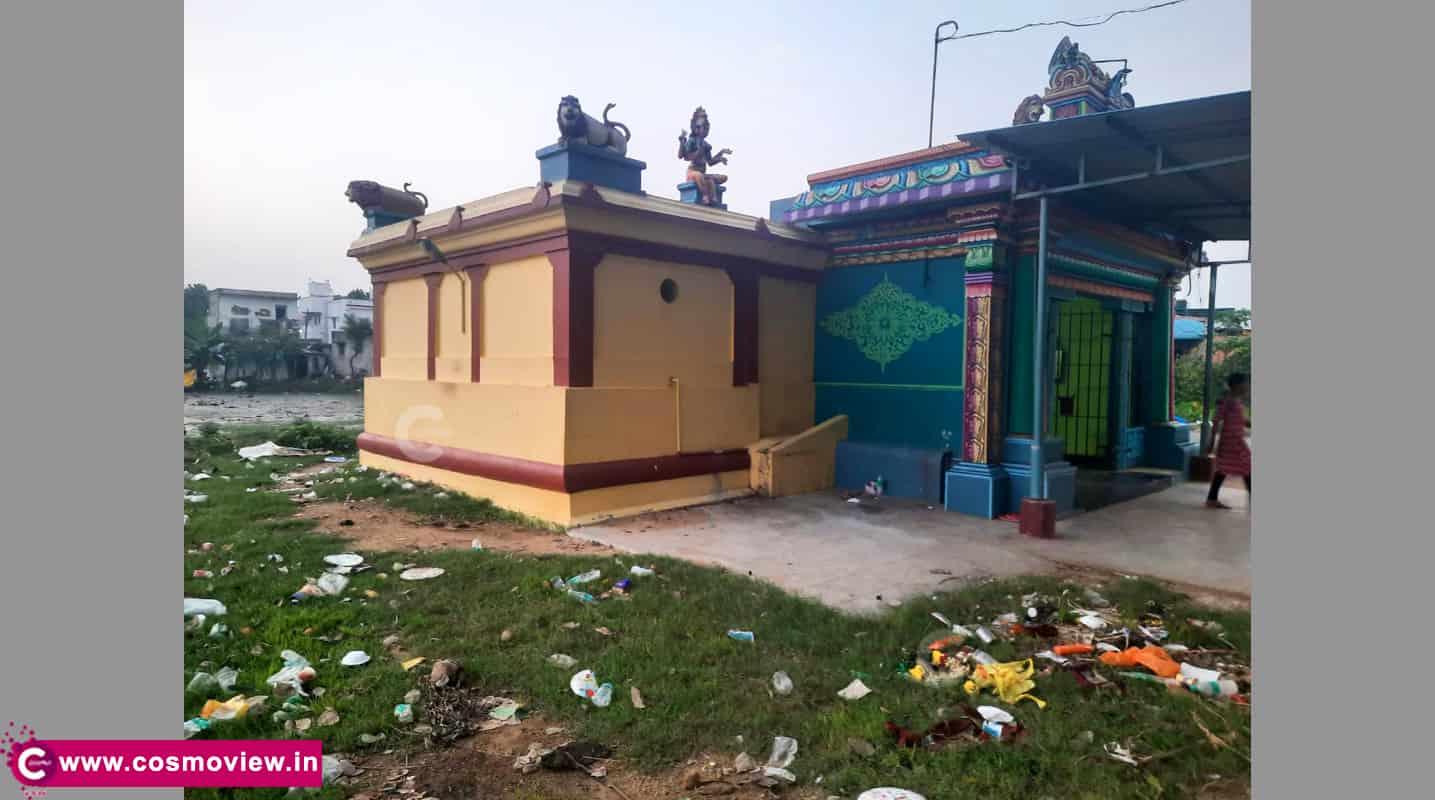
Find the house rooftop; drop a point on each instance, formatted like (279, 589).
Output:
(258, 293)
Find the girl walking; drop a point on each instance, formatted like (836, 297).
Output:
(1233, 455)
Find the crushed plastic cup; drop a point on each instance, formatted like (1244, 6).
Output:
(404, 713)
(994, 714)
(355, 658)
(741, 636)
(562, 660)
(782, 683)
(784, 751)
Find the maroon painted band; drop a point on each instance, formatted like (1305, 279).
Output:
(569, 478)
(475, 318)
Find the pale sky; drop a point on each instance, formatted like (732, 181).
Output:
(286, 102)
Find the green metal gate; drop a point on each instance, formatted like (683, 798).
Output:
(1082, 411)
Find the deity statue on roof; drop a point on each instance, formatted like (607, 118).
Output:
(696, 150)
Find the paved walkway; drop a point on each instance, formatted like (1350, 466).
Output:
(850, 558)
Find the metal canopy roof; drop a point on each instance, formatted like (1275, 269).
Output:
(1182, 166)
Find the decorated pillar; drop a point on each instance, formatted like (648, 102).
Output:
(977, 484)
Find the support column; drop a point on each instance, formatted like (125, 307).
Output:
(1125, 458)
(475, 317)
(1038, 512)
(1206, 385)
(978, 484)
(573, 269)
(434, 280)
(378, 348)
(744, 327)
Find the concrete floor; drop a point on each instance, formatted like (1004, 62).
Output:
(850, 558)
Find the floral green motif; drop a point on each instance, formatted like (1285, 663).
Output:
(887, 321)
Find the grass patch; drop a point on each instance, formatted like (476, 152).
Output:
(702, 689)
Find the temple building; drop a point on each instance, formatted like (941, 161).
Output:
(581, 349)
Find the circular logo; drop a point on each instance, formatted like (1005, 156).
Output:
(34, 764)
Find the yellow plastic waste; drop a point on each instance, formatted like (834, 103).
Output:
(233, 708)
(1010, 681)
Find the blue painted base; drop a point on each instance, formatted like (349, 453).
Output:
(1059, 476)
(1172, 445)
(378, 219)
(595, 165)
(977, 489)
(909, 472)
(688, 193)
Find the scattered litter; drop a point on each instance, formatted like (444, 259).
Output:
(784, 750)
(391, 641)
(412, 696)
(371, 738)
(1205, 625)
(476, 545)
(994, 714)
(1151, 657)
(444, 672)
(637, 697)
(194, 727)
(889, 793)
(413, 662)
(200, 477)
(219, 631)
(780, 773)
(856, 690)
(744, 763)
(1198, 674)
(782, 683)
(195, 498)
(201, 573)
(1010, 681)
(236, 707)
(336, 768)
(741, 636)
(355, 658)
(226, 678)
(563, 661)
(641, 572)
(202, 683)
(329, 718)
(586, 577)
(985, 635)
(1072, 649)
(344, 560)
(291, 679)
(271, 450)
(407, 486)
(585, 684)
(404, 713)
(335, 459)
(332, 584)
(421, 573)
(1092, 621)
(1123, 754)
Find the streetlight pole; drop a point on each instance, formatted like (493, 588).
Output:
(937, 39)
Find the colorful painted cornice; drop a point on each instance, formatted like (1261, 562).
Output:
(946, 177)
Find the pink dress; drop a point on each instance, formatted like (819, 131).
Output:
(1233, 456)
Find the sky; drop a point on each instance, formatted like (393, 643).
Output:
(285, 102)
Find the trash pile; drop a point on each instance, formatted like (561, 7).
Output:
(1065, 636)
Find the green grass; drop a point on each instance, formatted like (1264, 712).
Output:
(702, 688)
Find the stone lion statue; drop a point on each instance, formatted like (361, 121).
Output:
(576, 126)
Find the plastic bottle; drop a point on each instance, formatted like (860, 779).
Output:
(981, 657)
(741, 636)
(641, 572)
(582, 597)
(587, 577)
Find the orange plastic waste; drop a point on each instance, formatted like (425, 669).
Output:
(1072, 649)
(1151, 657)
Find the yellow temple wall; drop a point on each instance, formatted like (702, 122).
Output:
(516, 343)
(404, 349)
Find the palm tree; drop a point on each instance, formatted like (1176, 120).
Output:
(357, 332)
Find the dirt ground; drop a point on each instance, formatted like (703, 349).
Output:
(382, 528)
(482, 767)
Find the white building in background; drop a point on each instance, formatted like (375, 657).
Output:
(240, 311)
(321, 316)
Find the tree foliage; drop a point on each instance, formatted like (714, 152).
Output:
(357, 331)
(358, 294)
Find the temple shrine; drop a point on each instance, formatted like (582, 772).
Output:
(973, 323)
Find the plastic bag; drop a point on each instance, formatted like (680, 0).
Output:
(782, 683)
(234, 708)
(784, 751)
(213, 608)
(1151, 657)
(291, 679)
(1011, 681)
(202, 683)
